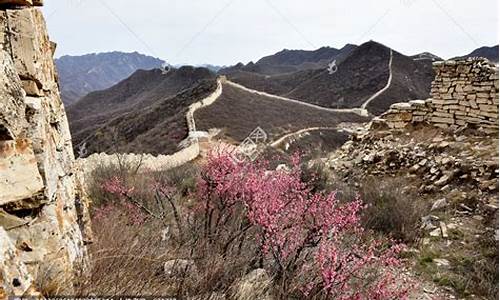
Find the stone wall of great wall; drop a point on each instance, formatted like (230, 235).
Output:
(203, 103)
(464, 93)
(148, 162)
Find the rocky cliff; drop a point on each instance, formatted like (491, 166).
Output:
(43, 224)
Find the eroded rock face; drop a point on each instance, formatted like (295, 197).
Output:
(43, 222)
(21, 281)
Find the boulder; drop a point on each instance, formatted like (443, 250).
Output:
(255, 285)
(179, 268)
(439, 204)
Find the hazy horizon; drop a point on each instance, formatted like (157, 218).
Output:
(231, 31)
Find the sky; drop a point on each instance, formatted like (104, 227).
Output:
(225, 32)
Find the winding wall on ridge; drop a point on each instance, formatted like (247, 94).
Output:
(150, 162)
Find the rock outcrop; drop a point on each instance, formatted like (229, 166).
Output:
(255, 285)
(42, 228)
(449, 180)
(464, 92)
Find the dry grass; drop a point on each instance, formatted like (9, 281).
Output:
(219, 243)
(128, 258)
(240, 112)
(393, 208)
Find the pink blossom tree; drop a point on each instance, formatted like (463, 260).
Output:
(311, 241)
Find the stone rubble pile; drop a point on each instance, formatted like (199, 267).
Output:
(464, 92)
(44, 227)
(460, 167)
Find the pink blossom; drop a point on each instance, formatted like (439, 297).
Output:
(292, 220)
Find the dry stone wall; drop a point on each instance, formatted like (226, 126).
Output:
(464, 93)
(44, 226)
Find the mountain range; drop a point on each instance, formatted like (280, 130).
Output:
(80, 75)
(146, 111)
(143, 113)
(290, 61)
(491, 53)
(360, 72)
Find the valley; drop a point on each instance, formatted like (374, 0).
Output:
(355, 172)
(272, 80)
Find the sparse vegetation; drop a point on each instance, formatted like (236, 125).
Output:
(239, 112)
(393, 208)
(146, 113)
(239, 217)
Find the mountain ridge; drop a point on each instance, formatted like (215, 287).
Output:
(489, 52)
(360, 72)
(82, 74)
(110, 120)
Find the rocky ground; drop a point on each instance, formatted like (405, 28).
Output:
(455, 176)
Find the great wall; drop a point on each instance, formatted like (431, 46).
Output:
(44, 219)
(464, 93)
(150, 162)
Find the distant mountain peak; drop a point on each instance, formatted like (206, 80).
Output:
(426, 56)
(489, 52)
(82, 74)
(372, 43)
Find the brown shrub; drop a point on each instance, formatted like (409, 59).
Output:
(126, 169)
(128, 257)
(215, 237)
(393, 208)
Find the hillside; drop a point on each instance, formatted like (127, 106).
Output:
(491, 53)
(426, 56)
(80, 75)
(411, 80)
(360, 75)
(290, 61)
(237, 112)
(132, 115)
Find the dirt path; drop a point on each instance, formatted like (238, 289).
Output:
(389, 82)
